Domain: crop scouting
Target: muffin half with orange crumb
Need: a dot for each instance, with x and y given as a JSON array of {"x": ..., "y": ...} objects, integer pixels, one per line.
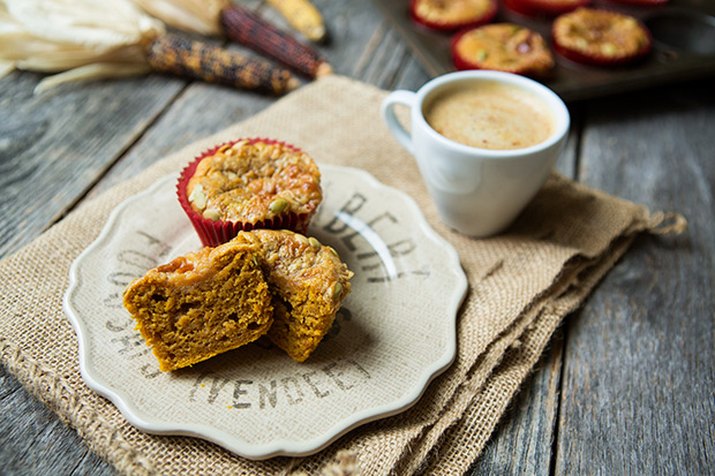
[
  {"x": 201, "y": 304},
  {"x": 308, "y": 282}
]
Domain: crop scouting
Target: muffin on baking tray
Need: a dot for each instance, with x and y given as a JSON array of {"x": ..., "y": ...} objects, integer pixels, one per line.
[
  {"x": 600, "y": 37},
  {"x": 502, "y": 47},
  {"x": 309, "y": 283},
  {"x": 201, "y": 304},
  {"x": 452, "y": 15},
  {"x": 544, "y": 7},
  {"x": 246, "y": 184}
]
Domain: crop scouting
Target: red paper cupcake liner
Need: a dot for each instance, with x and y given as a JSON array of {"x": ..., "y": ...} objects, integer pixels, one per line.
[
  {"x": 216, "y": 232},
  {"x": 453, "y": 26}
]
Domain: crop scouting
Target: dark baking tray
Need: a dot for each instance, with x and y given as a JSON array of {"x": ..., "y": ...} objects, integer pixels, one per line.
[{"x": 683, "y": 47}]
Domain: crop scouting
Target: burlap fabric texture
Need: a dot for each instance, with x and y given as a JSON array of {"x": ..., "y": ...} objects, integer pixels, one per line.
[{"x": 521, "y": 285}]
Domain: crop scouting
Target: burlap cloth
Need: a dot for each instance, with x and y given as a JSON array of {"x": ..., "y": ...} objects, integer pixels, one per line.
[{"x": 522, "y": 284}]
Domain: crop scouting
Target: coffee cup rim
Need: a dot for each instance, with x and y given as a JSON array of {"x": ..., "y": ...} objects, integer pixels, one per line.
[{"x": 558, "y": 108}]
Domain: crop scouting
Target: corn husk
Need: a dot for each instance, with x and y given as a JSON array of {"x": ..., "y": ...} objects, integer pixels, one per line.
[
  {"x": 303, "y": 16},
  {"x": 198, "y": 16},
  {"x": 82, "y": 39}
]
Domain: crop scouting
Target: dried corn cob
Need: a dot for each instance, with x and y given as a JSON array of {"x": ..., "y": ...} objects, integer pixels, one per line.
[
  {"x": 245, "y": 27},
  {"x": 90, "y": 39},
  {"x": 303, "y": 16},
  {"x": 184, "y": 57}
]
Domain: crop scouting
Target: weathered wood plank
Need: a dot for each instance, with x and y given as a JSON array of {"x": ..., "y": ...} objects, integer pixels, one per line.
[
  {"x": 35, "y": 441},
  {"x": 201, "y": 110},
  {"x": 638, "y": 384},
  {"x": 385, "y": 61},
  {"x": 54, "y": 146},
  {"x": 411, "y": 76}
]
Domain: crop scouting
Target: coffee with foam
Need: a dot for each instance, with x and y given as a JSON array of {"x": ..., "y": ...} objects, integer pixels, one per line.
[{"x": 489, "y": 115}]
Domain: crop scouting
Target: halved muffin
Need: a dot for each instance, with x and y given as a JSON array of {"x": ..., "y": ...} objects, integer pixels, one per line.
[
  {"x": 308, "y": 282},
  {"x": 202, "y": 304}
]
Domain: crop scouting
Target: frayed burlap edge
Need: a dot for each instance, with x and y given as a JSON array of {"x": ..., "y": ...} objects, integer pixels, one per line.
[
  {"x": 452, "y": 446},
  {"x": 52, "y": 390}
]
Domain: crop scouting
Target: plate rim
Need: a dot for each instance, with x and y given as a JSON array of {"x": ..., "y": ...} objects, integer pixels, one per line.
[{"x": 280, "y": 447}]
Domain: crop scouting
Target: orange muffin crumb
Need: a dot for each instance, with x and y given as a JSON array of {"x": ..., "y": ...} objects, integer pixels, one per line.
[
  {"x": 308, "y": 282},
  {"x": 201, "y": 304}
]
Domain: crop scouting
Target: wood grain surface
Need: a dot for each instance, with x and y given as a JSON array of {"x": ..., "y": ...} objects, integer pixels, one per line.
[
  {"x": 637, "y": 394},
  {"x": 627, "y": 385}
]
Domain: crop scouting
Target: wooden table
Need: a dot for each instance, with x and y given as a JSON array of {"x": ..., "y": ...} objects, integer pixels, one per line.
[{"x": 627, "y": 386}]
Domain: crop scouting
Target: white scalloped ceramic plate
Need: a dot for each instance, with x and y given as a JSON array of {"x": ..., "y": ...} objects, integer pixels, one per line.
[{"x": 394, "y": 334}]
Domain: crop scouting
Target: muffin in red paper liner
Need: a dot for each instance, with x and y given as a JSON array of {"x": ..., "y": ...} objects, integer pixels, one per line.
[
  {"x": 249, "y": 184},
  {"x": 502, "y": 47},
  {"x": 600, "y": 37},
  {"x": 547, "y": 8},
  {"x": 452, "y": 15}
]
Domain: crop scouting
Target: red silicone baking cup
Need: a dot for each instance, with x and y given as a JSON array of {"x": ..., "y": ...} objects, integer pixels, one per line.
[
  {"x": 488, "y": 16},
  {"x": 216, "y": 232}
]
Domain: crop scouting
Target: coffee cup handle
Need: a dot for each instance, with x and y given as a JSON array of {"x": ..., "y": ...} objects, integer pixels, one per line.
[{"x": 406, "y": 98}]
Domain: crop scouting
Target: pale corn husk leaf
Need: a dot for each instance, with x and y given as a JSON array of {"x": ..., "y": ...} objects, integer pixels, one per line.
[
  {"x": 198, "y": 16},
  {"x": 91, "y": 71},
  {"x": 60, "y": 35},
  {"x": 99, "y": 24},
  {"x": 6, "y": 67}
]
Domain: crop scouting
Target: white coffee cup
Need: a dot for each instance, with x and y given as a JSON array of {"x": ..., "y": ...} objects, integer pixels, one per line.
[{"x": 478, "y": 192}]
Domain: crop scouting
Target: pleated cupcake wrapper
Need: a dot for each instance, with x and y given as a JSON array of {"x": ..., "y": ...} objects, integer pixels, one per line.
[{"x": 216, "y": 232}]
